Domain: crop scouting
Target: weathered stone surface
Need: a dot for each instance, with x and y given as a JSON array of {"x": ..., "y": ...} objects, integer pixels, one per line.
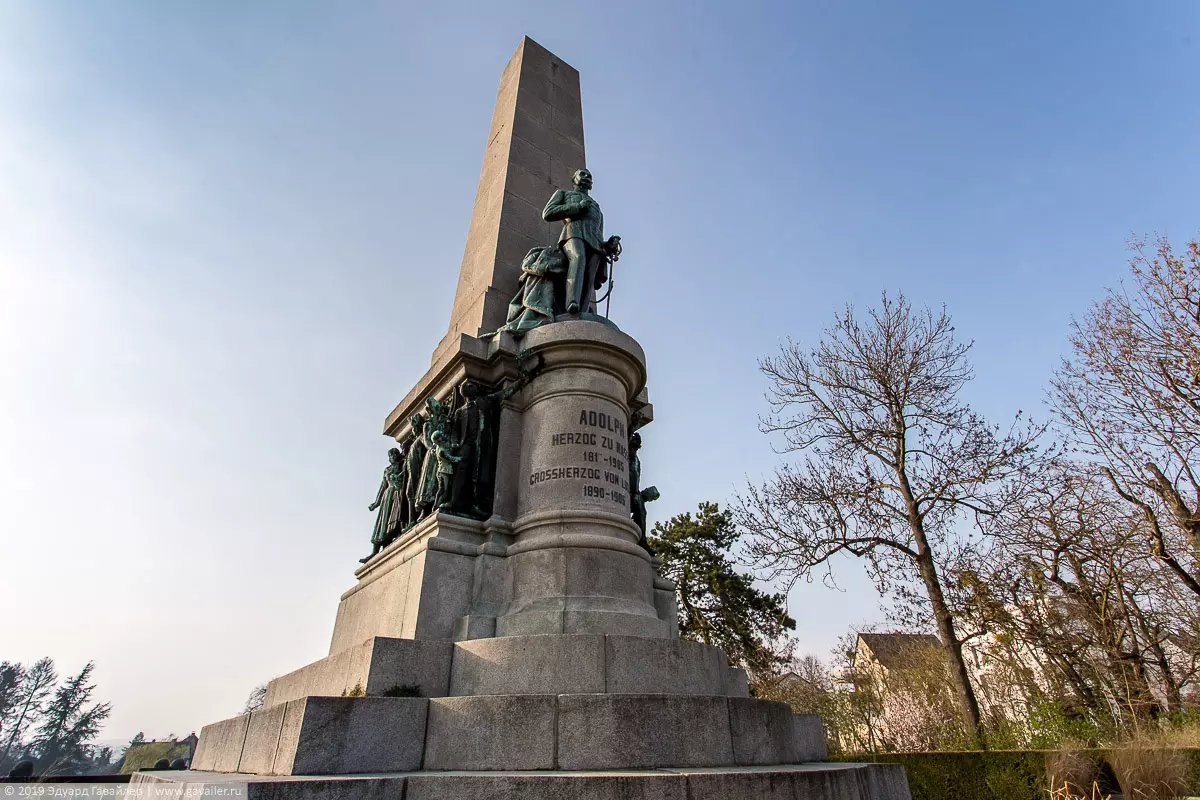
[
  {"x": 605, "y": 731},
  {"x": 413, "y": 589},
  {"x": 835, "y": 782},
  {"x": 664, "y": 666},
  {"x": 530, "y": 623},
  {"x": 750, "y": 785},
  {"x": 345, "y": 735},
  {"x": 739, "y": 683},
  {"x": 762, "y": 732},
  {"x": 886, "y": 782},
  {"x": 191, "y": 783},
  {"x": 220, "y": 745},
  {"x": 422, "y": 663},
  {"x": 529, "y": 665},
  {"x": 809, "y": 733},
  {"x": 491, "y": 732},
  {"x": 547, "y": 787},
  {"x": 262, "y": 740},
  {"x": 807, "y": 782},
  {"x": 374, "y": 666},
  {"x": 598, "y": 620}
]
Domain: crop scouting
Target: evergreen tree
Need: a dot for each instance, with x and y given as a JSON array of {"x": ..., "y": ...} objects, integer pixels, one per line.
[
  {"x": 717, "y": 604},
  {"x": 11, "y": 678},
  {"x": 62, "y": 743},
  {"x": 27, "y": 696}
]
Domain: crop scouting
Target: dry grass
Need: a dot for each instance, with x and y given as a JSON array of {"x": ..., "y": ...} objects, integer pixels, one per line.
[
  {"x": 1065, "y": 791},
  {"x": 1179, "y": 737},
  {"x": 1071, "y": 774},
  {"x": 1149, "y": 772}
]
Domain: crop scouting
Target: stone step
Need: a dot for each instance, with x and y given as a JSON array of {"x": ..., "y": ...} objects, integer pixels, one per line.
[
  {"x": 790, "y": 782},
  {"x": 546, "y": 664},
  {"x": 342, "y": 735},
  {"x": 592, "y": 664},
  {"x": 374, "y": 667}
]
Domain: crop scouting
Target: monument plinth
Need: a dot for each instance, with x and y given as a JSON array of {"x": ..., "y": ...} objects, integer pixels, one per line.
[{"x": 508, "y": 636}]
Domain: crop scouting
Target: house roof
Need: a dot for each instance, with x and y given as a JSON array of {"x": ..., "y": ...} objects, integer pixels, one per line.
[{"x": 896, "y": 650}]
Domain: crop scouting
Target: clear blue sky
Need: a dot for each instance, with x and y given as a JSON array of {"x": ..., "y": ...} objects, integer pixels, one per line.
[{"x": 230, "y": 234}]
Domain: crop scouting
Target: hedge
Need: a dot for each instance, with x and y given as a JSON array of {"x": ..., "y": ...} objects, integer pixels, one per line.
[
  {"x": 994, "y": 774},
  {"x": 147, "y": 754}
]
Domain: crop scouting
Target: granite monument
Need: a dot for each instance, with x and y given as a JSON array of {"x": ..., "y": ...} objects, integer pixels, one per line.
[{"x": 509, "y": 636}]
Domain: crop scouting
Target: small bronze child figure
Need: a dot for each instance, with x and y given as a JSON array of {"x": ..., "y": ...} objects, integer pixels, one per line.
[{"x": 445, "y": 468}]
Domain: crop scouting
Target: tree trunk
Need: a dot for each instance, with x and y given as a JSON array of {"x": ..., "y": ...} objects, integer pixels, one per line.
[{"x": 960, "y": 678}]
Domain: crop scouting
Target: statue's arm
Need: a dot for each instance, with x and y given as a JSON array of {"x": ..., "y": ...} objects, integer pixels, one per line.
[{"x": 558, "y": 207}]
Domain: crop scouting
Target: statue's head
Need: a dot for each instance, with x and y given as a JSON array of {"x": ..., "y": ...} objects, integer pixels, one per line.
[
  {"x": 470, "y": 389},
  {"x": 582, "y": 179},
  {"x": 394, "y": 455},
  {"x": 432, "y": 405},
  {"x": 650, "y": 494},
  {"x": 635, "y": 441},
  {"x": 417, "y": 422}
]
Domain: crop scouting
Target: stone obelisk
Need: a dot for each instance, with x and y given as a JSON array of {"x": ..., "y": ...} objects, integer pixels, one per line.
[
  {"x": 534, "y": 145},
  {"x": 512, "y": 640}
]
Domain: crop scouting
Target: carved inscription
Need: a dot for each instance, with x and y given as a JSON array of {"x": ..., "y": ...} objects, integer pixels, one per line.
[{"x": 594, "y": 454}]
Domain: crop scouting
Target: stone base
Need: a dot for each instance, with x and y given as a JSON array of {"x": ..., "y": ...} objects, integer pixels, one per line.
[
  {"x": 416, "y": 588},
  {"x": 345, "y": 735},
  {"x": 502, "y": 715},
  {"x": 450, "y": 578},
  {"x": 793, "y": 782},
  {"x": 574, "y": 664}
]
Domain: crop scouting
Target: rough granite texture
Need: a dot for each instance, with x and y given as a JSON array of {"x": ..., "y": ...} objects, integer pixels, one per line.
[
  {"x": 604, "y": 731},
  {"x": 496, "y": 732},
  {"x": 807, "y": 782},
  {"x": 346, "y": 735},
  {"x": 811, "y": 744},
  {"x": 220, "y": 745}
]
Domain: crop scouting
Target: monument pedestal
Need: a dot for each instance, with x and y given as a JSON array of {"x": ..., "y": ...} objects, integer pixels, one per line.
[{"x": 560, "y": 553}]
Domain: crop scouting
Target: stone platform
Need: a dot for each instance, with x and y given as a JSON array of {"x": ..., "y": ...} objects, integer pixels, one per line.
[
  {"x": 796, "y": 782},
  {"x": 586, "y": 716}
]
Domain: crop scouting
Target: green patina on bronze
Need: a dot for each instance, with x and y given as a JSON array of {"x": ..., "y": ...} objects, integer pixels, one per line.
[
  {"x": 389, "y": 501},
  {"x": 638, "y": 497},
  {"x": 447, "y": 463},
  {"x": 559, "y": 279}
]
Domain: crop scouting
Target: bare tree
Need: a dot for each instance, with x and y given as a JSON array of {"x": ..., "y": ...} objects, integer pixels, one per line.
[
  {"x": 257, "y": 699},
  {"x": 1068, "y": 585},
  {"x": 1131, "y": 397},
  {"x": 892, "y": 460}
]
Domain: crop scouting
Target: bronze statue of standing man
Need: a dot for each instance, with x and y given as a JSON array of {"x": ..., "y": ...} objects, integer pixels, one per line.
[{"x": 582, "y": 240}]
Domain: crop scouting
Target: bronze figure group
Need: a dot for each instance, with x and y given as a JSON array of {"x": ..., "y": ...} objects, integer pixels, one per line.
[
  {"x": 563, "y": 278},
  {"x": 447, "y": 463}
]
